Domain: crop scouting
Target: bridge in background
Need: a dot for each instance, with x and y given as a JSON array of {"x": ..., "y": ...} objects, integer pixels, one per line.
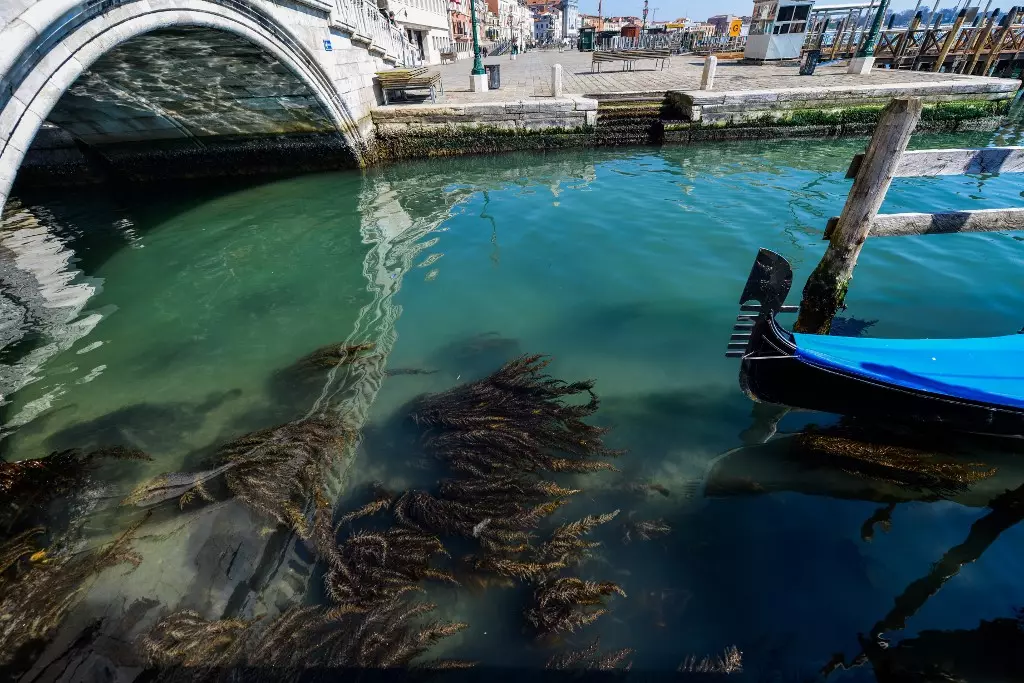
[{"x": 136, "y": 87}]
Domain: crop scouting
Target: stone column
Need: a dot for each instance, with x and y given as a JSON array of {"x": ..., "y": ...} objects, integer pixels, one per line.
[
  {"x": 556, "y": 80},
  {"x": 707, "y": 79}
]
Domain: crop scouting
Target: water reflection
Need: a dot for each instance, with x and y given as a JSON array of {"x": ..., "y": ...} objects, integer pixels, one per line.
[{"x": 691, "y": 555}]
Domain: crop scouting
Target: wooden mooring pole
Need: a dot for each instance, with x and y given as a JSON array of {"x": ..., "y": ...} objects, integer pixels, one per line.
[
  {"x": 951, "y": 37},
  {"x": 825, "y": 290}
]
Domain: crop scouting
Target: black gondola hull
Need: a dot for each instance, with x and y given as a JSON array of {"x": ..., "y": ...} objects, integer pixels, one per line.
[{"x": 771, "y": 372}]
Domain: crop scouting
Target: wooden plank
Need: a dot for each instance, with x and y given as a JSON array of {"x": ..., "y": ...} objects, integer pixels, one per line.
[
  {"x": 948, "y": 42},
  {"x": 981, "y": 220},
  {"x": 936, "y": 162},
  {"x": 997, "y": 45},
  {"x": 980, "y": 43},
  {"x": 825, "y": 291}
]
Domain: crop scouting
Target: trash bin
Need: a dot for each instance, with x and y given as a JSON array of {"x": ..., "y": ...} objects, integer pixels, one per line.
[
  {"x": 809, "y": 62},
  {"x": 493, "y": 76}
]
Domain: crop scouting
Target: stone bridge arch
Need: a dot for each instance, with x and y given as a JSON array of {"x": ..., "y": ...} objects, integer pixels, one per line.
[{"x": 104, "y": 73}]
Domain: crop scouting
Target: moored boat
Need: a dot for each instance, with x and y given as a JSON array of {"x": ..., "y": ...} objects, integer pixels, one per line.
[{"x": 974, "y": 384}]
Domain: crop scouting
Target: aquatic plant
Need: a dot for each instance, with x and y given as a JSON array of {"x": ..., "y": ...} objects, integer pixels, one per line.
[
  {"x": 389, "y": 634},
  {"x": 729, "y": 662},
  {"x": 498, "y": 511},
  {"x": 372, "y": 567},
  {"x": 868, "y": 453},
  {"x": 35, "y": 602},
  {"x": 515, "y": 420},
  {"x": 275, "y": 471},
  {"x": 591, "y": 658},
  {"x": 17, "y": 547},
  {"x": 279, "y": 470},
  {"x": 31, "y": 484},
  {"x": 333, "y": 355},
  {"x": 644, "y": 530},
  {"x": 568, "y": 603}
]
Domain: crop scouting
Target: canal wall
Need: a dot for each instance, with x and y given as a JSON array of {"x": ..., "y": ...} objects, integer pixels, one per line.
[
  {"x": 427, "y": 130},
  {"x": 680, "y": 117}
]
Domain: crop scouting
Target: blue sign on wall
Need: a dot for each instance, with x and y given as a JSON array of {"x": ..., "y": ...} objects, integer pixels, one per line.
[{"x": 327, "y": 46}]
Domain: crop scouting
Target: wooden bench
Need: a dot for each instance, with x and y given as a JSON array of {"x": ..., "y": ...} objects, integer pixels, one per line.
[
  {"x": 629, "y": 57},
  {"x": 401, "y": 80}
]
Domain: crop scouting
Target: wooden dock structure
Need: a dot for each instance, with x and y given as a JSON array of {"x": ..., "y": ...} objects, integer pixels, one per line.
[
  {"x": 873, "y": 171},
  {"x": 988, "y": 46}
]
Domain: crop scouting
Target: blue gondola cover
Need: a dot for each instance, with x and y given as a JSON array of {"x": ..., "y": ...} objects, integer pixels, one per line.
[{"x": 988, "y": 370}]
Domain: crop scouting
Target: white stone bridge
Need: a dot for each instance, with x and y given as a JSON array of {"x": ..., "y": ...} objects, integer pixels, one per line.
[{"x": 136, "y": 87}]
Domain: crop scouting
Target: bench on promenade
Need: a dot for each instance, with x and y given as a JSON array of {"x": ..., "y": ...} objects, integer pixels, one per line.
[
  {"x": 630, "y": 57},
  {"x": 401, "y": 80},
  {"x": 448, "y": 56}
]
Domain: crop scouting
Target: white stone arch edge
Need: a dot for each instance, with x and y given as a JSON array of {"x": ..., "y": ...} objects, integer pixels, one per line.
[{"x": 40, "y": 90}]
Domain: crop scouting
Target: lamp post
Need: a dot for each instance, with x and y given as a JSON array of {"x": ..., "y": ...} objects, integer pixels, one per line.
[
  {"x": 477, "y": 77},
  {"x": 865, "y": 58}
]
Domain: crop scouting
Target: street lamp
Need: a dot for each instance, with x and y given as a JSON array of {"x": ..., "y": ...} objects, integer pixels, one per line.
[
  {"x": 865, "y": 58},
  {"x": 477, "y": 77}
]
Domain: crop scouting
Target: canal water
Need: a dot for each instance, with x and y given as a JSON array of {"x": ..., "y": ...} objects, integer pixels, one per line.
[{"x": 164, "y": 319}]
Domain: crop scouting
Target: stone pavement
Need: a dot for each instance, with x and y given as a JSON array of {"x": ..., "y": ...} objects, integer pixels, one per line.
[{"x": 530, "y": 76}]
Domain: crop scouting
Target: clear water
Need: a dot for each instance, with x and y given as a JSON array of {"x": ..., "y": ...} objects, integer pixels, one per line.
[{"x": 175, "y": 308}]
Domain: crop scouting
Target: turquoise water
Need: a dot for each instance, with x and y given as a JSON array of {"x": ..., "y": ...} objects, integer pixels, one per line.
[{"x": 625, "y": 266}]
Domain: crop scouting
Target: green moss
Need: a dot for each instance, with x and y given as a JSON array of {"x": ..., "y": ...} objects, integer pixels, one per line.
[
  {"x": 960, "y": 110},
  {"x": 452, "y": 141}
]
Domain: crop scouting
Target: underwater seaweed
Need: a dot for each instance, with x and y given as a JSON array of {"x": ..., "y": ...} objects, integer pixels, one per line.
[
  {"x": 514, "y": 420},
  {"x": 389, "y": 634},
  {"x": 644, "y": 530},
  {"x": 566, "y": 604},
  {"x": 32, "y": 484},
  {"x": 372, "y": 567},
  {"x": 500, "y": 524},
  {"x": 335, "y": 354},
  {"x": 33, "y": 604},
  {"x": 864, "y": 453},
  {"x": 278, "y": 470},
  {"x": 591, "y": 658},
  {"x": 275, "y": 471},
  {"x": 729, "y": 662}
]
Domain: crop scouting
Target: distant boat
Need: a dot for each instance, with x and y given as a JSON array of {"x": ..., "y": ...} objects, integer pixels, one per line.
[{"x": 974, "y": 385}]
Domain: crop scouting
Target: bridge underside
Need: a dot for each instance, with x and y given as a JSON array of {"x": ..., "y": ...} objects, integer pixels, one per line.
[{"x": 184, "y": 102}]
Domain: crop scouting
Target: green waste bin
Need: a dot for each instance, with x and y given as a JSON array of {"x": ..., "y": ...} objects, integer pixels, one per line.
[{"x": 587, "y": 39}]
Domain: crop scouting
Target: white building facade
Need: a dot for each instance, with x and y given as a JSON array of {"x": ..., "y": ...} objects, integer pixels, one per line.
[
  {"x": 426, "y": 23},
  {"x": 571, "y": 19}
]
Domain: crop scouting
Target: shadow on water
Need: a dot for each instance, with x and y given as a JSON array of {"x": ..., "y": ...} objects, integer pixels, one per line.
[{"x": 152, "y": 427}]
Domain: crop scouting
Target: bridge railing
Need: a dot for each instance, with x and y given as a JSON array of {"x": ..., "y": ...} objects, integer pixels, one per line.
[{"x": 368, "y": 25}]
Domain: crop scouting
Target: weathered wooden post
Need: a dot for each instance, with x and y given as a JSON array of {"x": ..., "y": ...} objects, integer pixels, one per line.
[
  {"x": 979, "y": 43},
  {"x": 837, "y": 42},
  {"x": 997, "y": 44},
  {"x": 950, "y": 39},
  {"x": 825, "y": 290},
  {"x": 556, "y": 80},
  {"x": 707, "y": 79},
  {"x": 905, "y": 39}
]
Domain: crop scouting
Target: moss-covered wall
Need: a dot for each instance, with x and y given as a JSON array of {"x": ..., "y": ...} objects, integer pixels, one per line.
[
  {"x": 640, "y": 122},
  {"x": 452, "y": 141}
]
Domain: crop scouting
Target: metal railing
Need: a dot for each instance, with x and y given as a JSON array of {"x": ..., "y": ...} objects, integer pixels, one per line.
[{"x": 366, "y": 22}]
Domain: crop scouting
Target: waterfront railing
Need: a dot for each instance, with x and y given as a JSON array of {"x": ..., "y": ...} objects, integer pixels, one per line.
[{"x": 369, "y": 27}]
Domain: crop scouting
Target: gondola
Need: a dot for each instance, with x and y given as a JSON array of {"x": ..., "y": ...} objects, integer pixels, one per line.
[{"x": 974, "y": 385}]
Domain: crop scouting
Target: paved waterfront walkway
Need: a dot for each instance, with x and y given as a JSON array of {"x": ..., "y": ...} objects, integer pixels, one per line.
[{"x": 530, "y": 76}]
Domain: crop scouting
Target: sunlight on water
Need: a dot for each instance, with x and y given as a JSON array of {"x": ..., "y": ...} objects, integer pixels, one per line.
[{"x": 171, "y": 321}]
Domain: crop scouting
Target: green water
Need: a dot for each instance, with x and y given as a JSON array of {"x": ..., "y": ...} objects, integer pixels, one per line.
[{"x": 626, "y": 267}]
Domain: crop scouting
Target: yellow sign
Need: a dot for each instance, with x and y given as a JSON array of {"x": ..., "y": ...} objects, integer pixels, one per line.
[
  {"x": 672, "y": 25},
  {"x": 735, "y": 26}
]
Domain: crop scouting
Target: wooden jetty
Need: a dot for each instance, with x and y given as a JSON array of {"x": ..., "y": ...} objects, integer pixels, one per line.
[
  {"x": 992, "y": 45},
  {"x": 873, "y": 171}
]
